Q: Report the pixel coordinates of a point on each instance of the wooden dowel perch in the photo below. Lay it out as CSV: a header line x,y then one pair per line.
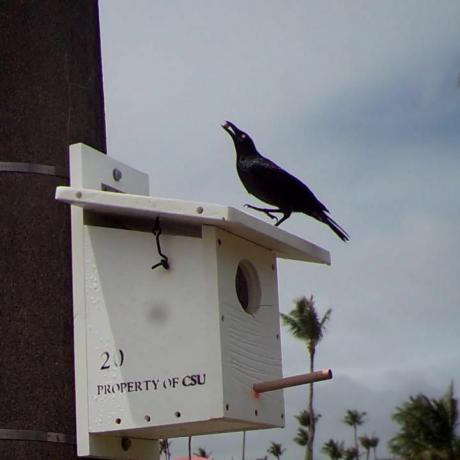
x,y
293,381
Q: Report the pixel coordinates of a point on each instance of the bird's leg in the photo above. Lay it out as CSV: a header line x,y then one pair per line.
x,y
265,211
285,216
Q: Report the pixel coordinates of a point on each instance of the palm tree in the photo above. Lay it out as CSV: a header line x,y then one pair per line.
x,y
302,434
276,450
369,442
304,420
427,428
366,443
333,449
374,442
350,453
354,418
201,452
304,324
165,448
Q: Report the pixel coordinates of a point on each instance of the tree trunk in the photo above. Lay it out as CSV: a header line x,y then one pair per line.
x,y
311,428
355,431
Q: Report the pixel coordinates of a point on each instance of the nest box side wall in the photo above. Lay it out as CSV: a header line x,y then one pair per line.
x,y
250,340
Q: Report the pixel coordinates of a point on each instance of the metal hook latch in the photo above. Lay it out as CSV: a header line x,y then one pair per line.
x,y
164,259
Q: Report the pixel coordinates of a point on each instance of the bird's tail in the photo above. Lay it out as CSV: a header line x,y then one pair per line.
x,y
335,227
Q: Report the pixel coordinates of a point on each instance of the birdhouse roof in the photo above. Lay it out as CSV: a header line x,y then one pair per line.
x,y
284,244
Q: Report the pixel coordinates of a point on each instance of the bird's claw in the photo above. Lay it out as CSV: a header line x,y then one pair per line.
x,y
265,211
273,217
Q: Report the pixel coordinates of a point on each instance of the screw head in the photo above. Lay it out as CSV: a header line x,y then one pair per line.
x,y
117,175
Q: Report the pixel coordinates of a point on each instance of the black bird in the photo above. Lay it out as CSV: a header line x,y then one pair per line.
x,y
275,186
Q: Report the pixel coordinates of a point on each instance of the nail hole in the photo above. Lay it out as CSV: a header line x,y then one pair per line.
x,y
222,317
78,194
277,336
256,412
199,210
177,414
118,421
227,406
219,241
282,416
147,418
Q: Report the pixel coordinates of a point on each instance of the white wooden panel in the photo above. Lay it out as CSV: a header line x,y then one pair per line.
x,y
251,350
283,243
94,170
159,320
90,168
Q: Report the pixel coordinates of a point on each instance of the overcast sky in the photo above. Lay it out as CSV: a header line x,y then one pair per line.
x,y
359,99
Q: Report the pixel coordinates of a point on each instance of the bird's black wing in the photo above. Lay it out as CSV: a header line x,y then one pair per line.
x,y
272,184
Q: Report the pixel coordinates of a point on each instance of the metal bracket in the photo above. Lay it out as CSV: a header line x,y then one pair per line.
x,y
32,168
164,259
32,435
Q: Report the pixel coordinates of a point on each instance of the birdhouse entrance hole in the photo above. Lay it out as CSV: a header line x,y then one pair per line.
x,y
247,287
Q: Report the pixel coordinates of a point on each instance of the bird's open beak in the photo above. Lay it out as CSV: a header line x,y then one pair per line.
x,y
230,128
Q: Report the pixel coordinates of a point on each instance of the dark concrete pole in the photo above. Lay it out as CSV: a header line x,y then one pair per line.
x,y
51,96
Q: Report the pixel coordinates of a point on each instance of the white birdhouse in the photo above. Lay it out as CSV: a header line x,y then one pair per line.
x,y
172,350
